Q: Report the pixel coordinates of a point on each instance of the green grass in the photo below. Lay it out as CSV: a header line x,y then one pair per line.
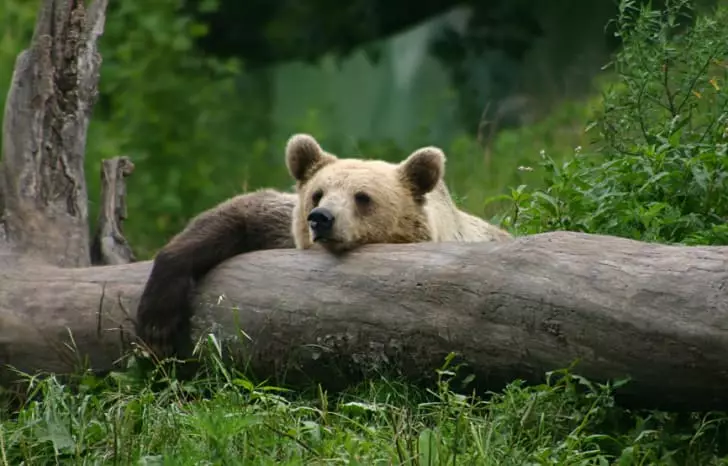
x,y
224,419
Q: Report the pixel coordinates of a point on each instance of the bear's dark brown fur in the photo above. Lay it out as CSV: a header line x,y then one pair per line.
x,y
248,222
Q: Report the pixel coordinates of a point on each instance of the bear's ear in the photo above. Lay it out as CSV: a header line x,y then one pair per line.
x,y
423,169
304,157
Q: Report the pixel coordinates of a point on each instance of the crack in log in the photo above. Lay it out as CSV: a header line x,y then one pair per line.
x,y
100,313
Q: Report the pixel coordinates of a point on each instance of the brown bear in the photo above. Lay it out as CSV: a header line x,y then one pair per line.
x,y
339,204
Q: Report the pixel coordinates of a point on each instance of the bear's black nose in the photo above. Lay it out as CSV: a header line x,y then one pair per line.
x,y
321,220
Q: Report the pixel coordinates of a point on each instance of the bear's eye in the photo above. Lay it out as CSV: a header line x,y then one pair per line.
x,y
362,198
316,198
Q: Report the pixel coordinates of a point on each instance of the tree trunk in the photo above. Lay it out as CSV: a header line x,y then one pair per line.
x,y
47,112
655,313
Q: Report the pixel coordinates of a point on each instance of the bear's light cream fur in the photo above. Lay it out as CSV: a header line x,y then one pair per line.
x,y
409,201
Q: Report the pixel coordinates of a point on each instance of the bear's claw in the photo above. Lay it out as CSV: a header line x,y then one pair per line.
x,y
161,330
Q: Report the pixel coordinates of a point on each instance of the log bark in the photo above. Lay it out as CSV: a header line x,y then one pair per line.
x,y
47,112
655,313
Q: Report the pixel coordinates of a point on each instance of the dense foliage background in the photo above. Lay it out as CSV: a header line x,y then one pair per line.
x,y
201,126
641,156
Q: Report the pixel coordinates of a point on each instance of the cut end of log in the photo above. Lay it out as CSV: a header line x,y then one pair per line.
x,y
109,246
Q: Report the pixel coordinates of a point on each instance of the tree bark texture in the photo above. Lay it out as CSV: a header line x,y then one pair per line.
x,y
655,313
47,112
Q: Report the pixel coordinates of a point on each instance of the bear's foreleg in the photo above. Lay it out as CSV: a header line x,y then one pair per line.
x,y
248,222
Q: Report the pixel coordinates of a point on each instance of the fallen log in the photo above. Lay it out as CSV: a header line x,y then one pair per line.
x,y
655,313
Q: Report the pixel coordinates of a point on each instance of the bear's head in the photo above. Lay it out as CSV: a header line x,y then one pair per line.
x,y
345,203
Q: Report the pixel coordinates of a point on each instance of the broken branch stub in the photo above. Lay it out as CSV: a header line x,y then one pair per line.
x,y
109,246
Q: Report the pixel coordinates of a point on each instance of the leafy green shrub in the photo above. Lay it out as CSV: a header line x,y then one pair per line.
x,y
658,171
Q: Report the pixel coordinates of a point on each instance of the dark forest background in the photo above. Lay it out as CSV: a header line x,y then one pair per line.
x,y
202,95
